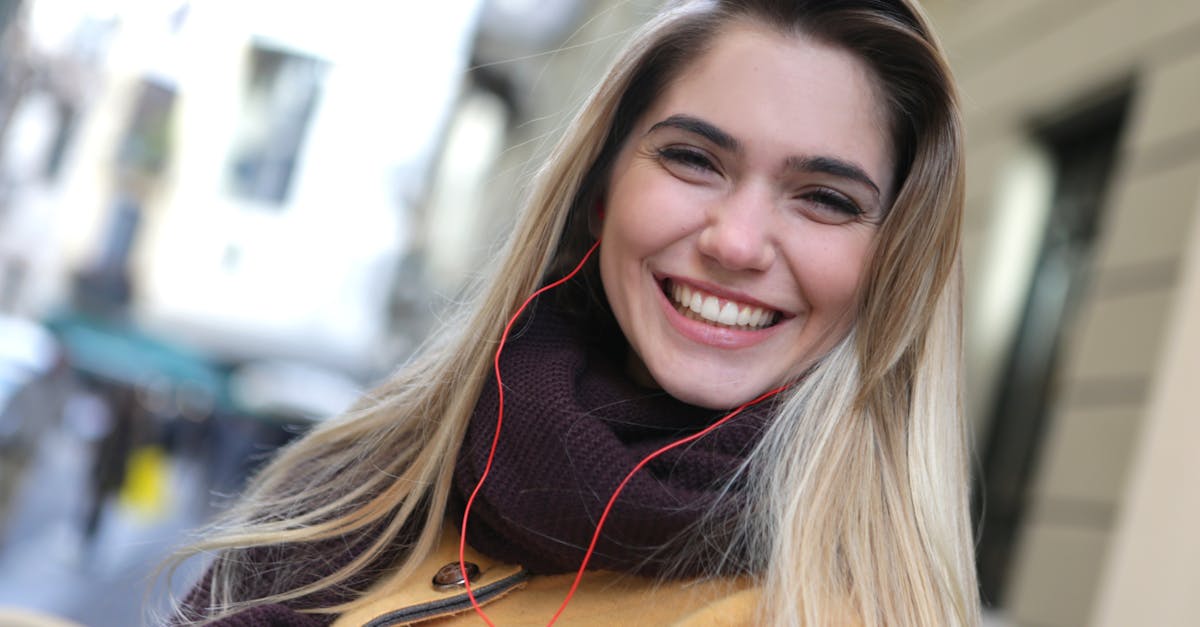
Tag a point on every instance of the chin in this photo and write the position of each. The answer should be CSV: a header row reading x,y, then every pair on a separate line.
x,y
717,396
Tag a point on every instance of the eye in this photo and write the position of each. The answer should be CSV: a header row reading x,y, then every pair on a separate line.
x,y
828,206
680,158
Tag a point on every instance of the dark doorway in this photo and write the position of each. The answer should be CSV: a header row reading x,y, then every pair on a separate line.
x,y
1083,149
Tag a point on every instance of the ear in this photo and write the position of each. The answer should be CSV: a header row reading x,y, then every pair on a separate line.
x,y
596,218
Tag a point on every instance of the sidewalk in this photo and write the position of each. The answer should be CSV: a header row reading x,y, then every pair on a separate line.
x,y
45,564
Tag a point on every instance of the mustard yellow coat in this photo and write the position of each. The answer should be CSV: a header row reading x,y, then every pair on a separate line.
x,y
511,596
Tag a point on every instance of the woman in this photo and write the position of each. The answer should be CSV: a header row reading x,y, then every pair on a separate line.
x,y
776,187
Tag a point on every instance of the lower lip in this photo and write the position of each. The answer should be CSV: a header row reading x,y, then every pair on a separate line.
x,y
711,335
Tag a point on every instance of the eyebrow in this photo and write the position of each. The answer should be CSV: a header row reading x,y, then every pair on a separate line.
x,y
816,164
700,127
833,166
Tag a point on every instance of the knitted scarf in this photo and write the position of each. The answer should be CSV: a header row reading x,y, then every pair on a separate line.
x,y
574,426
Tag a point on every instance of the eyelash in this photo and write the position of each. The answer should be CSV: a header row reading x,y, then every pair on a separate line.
x,y
826,198
687,157
833,200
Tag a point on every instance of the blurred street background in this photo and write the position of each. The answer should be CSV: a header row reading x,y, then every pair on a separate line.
x,y
221,222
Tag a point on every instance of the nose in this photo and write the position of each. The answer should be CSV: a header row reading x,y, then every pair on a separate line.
x,y
737,234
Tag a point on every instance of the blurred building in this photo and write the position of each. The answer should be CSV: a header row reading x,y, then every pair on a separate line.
x,y
242,177
1083,258
314,188
533,64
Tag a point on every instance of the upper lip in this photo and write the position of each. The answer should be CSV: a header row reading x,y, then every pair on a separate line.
x,y
724,293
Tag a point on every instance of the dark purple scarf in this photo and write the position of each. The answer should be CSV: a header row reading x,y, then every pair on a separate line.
x,y
574,425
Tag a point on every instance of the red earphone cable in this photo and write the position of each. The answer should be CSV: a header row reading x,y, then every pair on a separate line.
x,y
462,540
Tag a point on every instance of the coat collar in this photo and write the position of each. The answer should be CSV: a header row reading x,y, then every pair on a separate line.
x,y
511,596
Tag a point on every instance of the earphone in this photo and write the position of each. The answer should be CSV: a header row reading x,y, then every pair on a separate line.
x,y
462,543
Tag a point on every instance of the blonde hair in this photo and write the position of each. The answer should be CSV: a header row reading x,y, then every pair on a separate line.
x,y
858,490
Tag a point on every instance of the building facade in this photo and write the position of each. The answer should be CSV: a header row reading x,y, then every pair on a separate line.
x,y
1083,121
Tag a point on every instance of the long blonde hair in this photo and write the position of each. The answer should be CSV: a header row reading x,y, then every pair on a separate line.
x,y
859,487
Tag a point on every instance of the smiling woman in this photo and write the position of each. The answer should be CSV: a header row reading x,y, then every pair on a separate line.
x,y
748,186
744,409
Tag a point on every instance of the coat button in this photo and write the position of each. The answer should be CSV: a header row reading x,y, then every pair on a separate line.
x,y
449,576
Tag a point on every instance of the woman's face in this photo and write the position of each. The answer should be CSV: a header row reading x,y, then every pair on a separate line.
x,y
740,213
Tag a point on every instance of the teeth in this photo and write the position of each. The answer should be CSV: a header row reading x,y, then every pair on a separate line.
x,y
729,314
700,306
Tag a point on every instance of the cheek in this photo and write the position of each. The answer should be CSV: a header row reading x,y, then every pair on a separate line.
x,y
624,246
641,224
831,270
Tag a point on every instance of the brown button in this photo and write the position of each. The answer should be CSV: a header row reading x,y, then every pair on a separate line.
x,y
449,576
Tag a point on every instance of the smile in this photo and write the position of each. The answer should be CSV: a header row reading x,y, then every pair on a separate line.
x,y
704,307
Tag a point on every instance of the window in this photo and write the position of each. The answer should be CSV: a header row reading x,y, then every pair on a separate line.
x,y
279,102
146,143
